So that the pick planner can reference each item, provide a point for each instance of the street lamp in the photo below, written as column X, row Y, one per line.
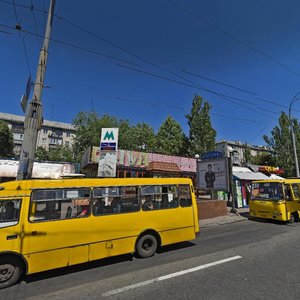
column 230, row 153
column 295, row 98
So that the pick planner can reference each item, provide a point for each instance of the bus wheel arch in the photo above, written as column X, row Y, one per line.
column 12, row 268
column 147, row 243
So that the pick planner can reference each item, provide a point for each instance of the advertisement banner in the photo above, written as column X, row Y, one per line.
column 213, row 175
column 107, row 164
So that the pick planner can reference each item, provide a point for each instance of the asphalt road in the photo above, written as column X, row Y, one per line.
column 245, row 260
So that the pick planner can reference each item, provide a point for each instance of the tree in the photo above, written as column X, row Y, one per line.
column 281, row 143
column 247, row 155
column 264, row 159
column 202, row 136
column 144, row 137
column 6, row 141
column 59, row 153
column 170, row 138
column 88, row 130
column 41, row 153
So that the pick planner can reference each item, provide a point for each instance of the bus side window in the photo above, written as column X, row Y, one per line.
column 296, row 192
column 184, row 194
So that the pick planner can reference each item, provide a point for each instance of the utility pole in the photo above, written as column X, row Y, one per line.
column 293, row 134
column 33, row 115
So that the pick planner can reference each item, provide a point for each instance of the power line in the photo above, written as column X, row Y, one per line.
column 166, row 106
column 159, row 67
column 167, row 70
column 232, row 36
column 34, row 22
column 76, row 47
column 196, row 87
column 26, row 55
column 18, row 26
column 219, row 82
column 15, row 11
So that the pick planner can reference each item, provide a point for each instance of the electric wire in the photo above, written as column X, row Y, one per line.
column 219, row 82
column 166, row 106
column 76, row 46
column 227, row 98
column 18, row 26
column 188, row 11
column 157, row 66
column 15, row 11
column 34, row 22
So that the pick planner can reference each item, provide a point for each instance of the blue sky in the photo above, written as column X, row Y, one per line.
column 157, row 45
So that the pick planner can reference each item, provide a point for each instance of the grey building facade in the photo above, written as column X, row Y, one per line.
column 50, row 136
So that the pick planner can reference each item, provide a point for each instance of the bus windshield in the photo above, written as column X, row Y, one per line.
column 267, row 191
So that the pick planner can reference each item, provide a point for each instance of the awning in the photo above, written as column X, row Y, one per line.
column 250, row 176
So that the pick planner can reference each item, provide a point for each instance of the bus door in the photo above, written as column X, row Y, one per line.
column 57, row 228
column 10, row 225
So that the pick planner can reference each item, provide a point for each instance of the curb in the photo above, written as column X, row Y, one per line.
column 221, row 220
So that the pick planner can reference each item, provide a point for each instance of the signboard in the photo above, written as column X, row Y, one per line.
column 211, row 155
column 269, row 169
column 108, row 152
column 213, row 175
column 109, row 139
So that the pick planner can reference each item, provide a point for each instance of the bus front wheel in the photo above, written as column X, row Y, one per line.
column 11, row 271
column 293, row 217
column 146, row 246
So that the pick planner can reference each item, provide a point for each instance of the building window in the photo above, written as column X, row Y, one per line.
column 67, row 143
column 44, row 140
column 45, row 131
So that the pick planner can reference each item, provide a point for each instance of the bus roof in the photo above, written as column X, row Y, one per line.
column 288, row 180
column 27, row 185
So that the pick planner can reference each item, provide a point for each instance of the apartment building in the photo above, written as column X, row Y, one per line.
column 239, row 149
column 50, row 136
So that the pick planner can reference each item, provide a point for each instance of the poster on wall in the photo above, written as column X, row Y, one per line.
column 213, row 175
column 107, row 164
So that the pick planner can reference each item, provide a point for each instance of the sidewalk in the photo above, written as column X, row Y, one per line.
column 241, row 215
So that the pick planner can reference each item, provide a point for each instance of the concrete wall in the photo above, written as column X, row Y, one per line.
column 211, row 208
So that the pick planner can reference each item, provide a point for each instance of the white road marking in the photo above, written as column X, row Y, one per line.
column 169, row 276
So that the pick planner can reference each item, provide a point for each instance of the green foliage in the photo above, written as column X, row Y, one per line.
column 6, row 141
column 144, row 137
column 170, row 138
column 89, row 124
column 264, row 159
column 59, row 153
column 202, row 136
column 88, row 130
column 281, row 143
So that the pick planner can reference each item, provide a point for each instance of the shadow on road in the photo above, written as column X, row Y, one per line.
column 98, row 263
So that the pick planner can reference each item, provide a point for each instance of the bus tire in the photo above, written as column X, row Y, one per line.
column 293, row 217
column 11, row 270
column 146, row 246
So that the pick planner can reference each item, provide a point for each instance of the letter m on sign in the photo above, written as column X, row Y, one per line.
column 109, row 135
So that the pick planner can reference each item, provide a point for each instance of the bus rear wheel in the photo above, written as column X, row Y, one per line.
column 11, row 271
column 146, row 246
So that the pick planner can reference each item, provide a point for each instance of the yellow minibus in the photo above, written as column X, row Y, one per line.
column 48, row 224
column 275, row 199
